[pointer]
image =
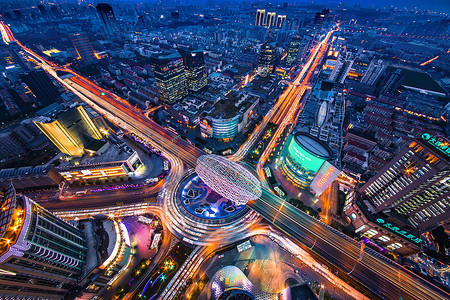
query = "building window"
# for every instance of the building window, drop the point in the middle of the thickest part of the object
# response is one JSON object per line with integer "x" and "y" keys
{"x": 384, "y": 238}
{"x": 394, "y": 246}
{"x": 370, "y": 233}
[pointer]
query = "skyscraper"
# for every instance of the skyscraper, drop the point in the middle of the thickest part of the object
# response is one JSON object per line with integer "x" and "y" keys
{"x": 83, "y": 47}
{"x": 106, "y": 14}
{"x": 374, "y": 71}
{"x": 294, "y": 45}
{"x": 40, "y": 255}
{"x": 391, "y": 82}
{"x": 319, "y": 19}
{"x": 194, "y": 64}
{"x": 415, "y": 185}
{"x": 72, "y": 130}
{"x": 170, "y": 76}
{"x": 260, "y": 17}
{"x": 271, "y": 19}
{"x": 280, "y": 20}
{"x": 41, "y": 86}
{"x": 342, "y": 67}
{"x": 267, "y": 59}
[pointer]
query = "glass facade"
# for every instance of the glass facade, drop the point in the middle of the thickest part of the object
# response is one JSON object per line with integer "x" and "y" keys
{"x": 301, "y": 164}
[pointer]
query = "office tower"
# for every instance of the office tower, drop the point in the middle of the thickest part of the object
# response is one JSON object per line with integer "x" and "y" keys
{"x": 294, "y": 45}
{"x": 260, "y": 17}
{"x": 41, "y": 9}
{"x": 40, "y": 255}
{"x": 391, "y": 82}
{"x": 319, "y": 19}
{"x": 342, "y": 67}
{"x": 280, "y": 20}
{"x": 170, "y": 76}
{"x": 415, "y": 185}
{"x": 374, "y": 71}
{"x": 106, "y": 14}
{"x": 271, "y": 19}
{"x": 55, "y": 11}
{"x": 195, "y": 69}
{"x": 267, "y": 59}
{"x": 73, "y": 129}
{"x": 41, "y": 86}
{"x": 83, "y": 47}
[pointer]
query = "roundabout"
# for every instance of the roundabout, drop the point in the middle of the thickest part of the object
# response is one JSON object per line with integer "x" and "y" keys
{"x": 208, "y": 205}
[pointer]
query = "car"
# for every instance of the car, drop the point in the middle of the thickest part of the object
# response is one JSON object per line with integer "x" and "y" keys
{"x": 220, "y": 256}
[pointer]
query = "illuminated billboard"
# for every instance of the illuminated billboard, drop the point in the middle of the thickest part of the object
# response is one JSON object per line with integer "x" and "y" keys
{"x": 324, "y": 178}
{"x": 305, "y": 156}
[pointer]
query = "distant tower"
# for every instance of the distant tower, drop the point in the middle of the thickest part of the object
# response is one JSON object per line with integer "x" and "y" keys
{"x": 391, "y": 82}
{"x": 83, "y": 47}
{"x": 41, "y": 86}
{"x": 342, "y": 67}
{"x": 170, "y": 76}
{"x": 195, "y": 69}
{"x": 294, "y": 45}
{"x": 319, "y": 19}
{"x": 106, "y": 14}
{"x": 260, "y": 15}
{"x": 280, "y": 20}
{"x": 374, "y": 71}
{"x": 271, "y": 19}
{"x": 267, "y": 59}
{"x": 40, "y": 255}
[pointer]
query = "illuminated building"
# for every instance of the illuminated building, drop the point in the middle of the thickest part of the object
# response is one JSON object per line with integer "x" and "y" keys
{"x": 305, "y": 155}
{"x": 294, "y": 45}
{"x": 194, "y": 64}
{"x": 260, "y": 16}
{"x": 342, "y": 67}
{"x": 40, "y": 255}
{"x": 170, "y": 76}
{"x": 73, "y": 129}
{"x": 374, "y": 71}
{"x": 227, "y": 117}
{"x": 271, "y": 19}
{"x": 319, "y": 19}
{"x": 106, "y": 14}
{"x": 414, "y": 186}
{"x": 280, "y": 20}
{"x": 41, "y": 86}
{"x": 83, "y": 47}
{"x": 228, "y": 178}
{"x": 267, "y": 59}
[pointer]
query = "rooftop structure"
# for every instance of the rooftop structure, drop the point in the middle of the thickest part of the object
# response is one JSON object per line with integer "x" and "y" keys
{"x": 229, "y": 179}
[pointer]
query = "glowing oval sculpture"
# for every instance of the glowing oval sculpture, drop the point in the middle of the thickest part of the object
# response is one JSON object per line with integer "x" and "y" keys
{"x": 227, "y": 178}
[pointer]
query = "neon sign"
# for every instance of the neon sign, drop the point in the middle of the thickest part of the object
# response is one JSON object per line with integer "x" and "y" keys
{"x": 399, "y": 231}
{"x": 442, "y": 146}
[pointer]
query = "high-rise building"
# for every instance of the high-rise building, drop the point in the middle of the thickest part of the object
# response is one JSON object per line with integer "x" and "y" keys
{"x": 260, "y": 17}
{"x": 271, "y": 19}
{"x": 374, "y": 71}
{"x": 391, "y": 82}
{"x": 342, "y": 67}
{"x": 73, "y": 129}
{"x": 294, "y": 45}
{"x": 415, "y": 185}
{"x": 267, "y": 58}
{"x": 83, "y": 47}
{"x": 40, "y": 255}
{"x": 41, "y": 86}
{"x": 194, "y": 63}
{"x": 106, "y": 14}
{"x": 280, "y": 20}
{"x": 319, "y": 19}
{"x": 170, "y": 76}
